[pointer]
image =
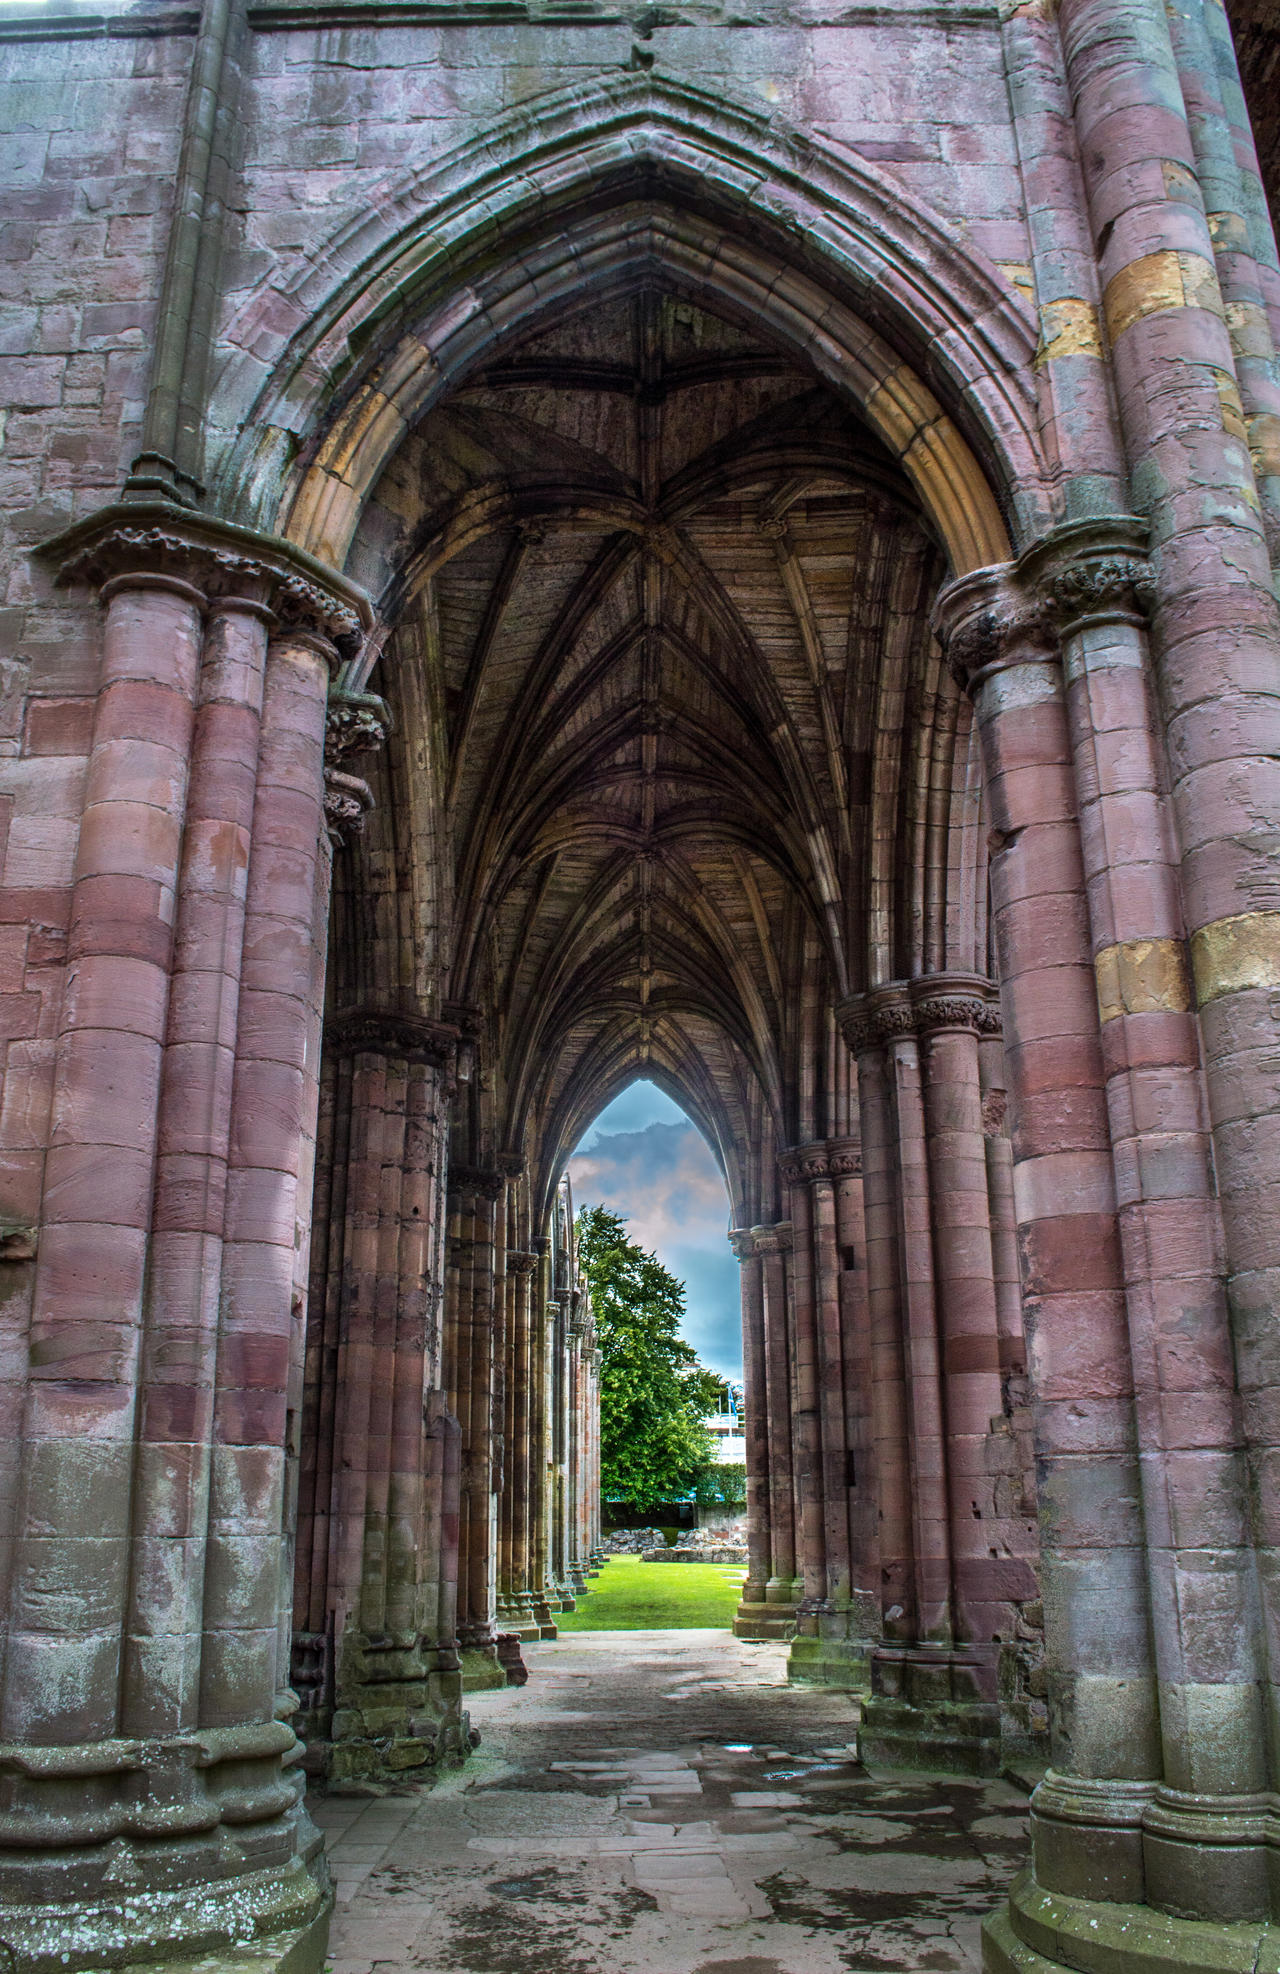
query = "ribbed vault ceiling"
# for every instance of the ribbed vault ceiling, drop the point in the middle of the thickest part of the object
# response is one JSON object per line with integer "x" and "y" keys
{"x": 674, "y": 602}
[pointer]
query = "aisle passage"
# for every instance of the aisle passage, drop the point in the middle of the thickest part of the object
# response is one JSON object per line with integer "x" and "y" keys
{"x": 663, "y": 1803}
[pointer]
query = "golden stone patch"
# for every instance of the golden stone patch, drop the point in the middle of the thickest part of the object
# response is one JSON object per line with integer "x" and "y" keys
{"x": 1159, "y": 281}
{"x": 1068, "y": 327}
{"x": 1231, "y": 955}
{"x": 1142, "y": 976}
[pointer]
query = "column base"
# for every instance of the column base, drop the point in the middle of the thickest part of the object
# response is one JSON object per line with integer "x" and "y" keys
{"x": 833, "y": 1642}
{"x": 933, "y": 1708}
{"x": 480, "y": 1670}
{"x": 272, "y": 1921}
{"x": 839, "y": 1662}
{"x": 396, "y": 1715}
{"x": 542, "y": 1612}
{"x": 761, "y": 1619}
{"x": 510, "y": 1659}
{"x": 1040, "y": 1932}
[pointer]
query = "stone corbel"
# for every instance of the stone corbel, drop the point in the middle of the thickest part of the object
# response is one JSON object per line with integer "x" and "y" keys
{"x": 355, "y": 723}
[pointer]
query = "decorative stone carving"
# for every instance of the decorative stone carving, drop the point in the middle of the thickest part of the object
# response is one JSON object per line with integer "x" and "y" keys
{"x": 354, "y": 723}
{"x": 916, "y": 1007}
{"x": 384, "y": 1032}
{"x": 217, "y": 558}
{"x": 475, "y": 1182}
{"x": 827, "y": 1158}
{"x": 521, "y": 1261}
{"x": 1086, "y": 572}
{"x": 777, "y": 1239}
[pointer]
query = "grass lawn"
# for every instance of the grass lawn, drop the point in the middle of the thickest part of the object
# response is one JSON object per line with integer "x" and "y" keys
{"x": 631, "y": 1595}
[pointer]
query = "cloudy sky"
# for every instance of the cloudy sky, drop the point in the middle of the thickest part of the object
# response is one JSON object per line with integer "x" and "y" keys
{"x": 642, "y": 1157}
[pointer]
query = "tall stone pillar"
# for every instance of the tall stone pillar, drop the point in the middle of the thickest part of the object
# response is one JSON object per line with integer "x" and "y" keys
{"x": 955, "y": 1571}
{"x": 475, "y": 1302}
{"x": 1183, "y": 1833}
{"x": 520, "y": 1470}
{"x": 546, "y": 1599}
{"x": 783, "y": 1590}
{"x": 1103, "y": 1714}
{"x": 377, "y": 1677}
{"x": 886, "y": 1332}
{"x": 558, "y": 1319}
{"x": 145, "y": 1705}
{"x": 838, "y": 1618}
{"x": 752, "y": 1610}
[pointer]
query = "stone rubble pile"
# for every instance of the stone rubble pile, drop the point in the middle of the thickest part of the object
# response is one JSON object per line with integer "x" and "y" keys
{"x": 632, "y": 1541}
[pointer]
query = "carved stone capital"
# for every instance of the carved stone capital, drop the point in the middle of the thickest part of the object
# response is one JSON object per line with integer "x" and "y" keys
{"x": 387, "y": 1032}
{"x": 521, "y": 1261}
{"x": 844, "y": 1157}
{"x": 512, "y": 1164}
{"x": 803, "y": 1164}
{"x": 776, "y": 1239}
{"x": 1092, "y": 572}
{"x": 475, "y": 1182}
{"x": 742, "y": 1241}
{"x": 917, "y": 1007}
{"x": 135, "y": 540}
{"x": 1081, "y": 574}
{"x": 954, "y": 1000}
{"x": 987, "y": 620}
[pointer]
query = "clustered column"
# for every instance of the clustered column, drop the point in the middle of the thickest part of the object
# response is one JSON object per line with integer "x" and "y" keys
{"x": 954, "y": 1679}
{"x": 1150, "y": 1594}
{"x": 475, "y": 1356}
{"x": 374, "y": 1639}
{"x": 151, "y": 1537}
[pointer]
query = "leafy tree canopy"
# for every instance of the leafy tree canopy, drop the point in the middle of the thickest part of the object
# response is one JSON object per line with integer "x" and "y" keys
{"x": 654, "y": 1393}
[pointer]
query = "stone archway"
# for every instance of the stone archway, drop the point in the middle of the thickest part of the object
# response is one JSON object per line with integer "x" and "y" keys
{"x": 721, "y": 814}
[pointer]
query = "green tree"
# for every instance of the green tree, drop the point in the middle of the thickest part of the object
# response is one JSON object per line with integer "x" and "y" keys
{"x": 722, "y": 1486}
{"x": 654, "y": 1394}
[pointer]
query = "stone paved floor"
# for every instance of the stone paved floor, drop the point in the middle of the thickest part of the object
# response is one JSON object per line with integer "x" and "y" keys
{"x": 661, "y": 1802}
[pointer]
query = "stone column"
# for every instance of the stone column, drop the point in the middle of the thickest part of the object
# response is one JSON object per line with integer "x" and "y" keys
{"x": 472, "y": 1355}
{"x": 1189, "y": 1849}
{"x": 521, "y": 1266}
{"x": 783, "y": 1589}
{"x": 129, "y": 1588}
{"x": 1215, "y": 646}
{"x": 835, "y": 1630}
{"x": 806, "y": 1373}
{"x": 886, "y": 1328}
{"x": 752, "y": 1611}
{"x": 380, "y": 1684}
{"x": 558, "y": 1442}
{"x": 545, "y": 1596}
{"x": 860, "y": 1479}
{"x": 1103, "y": 1715}
{"x": 991, "y": 1552}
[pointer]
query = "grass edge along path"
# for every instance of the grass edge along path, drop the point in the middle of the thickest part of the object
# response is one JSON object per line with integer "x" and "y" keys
{"x": 632, "y": 1595}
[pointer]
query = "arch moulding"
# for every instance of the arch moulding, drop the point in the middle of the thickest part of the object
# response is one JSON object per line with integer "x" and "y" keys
{"x": 590, "y": 192}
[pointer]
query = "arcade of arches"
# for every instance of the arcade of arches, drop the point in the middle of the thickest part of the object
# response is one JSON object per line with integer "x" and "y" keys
{"x": 552, "y": 544}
